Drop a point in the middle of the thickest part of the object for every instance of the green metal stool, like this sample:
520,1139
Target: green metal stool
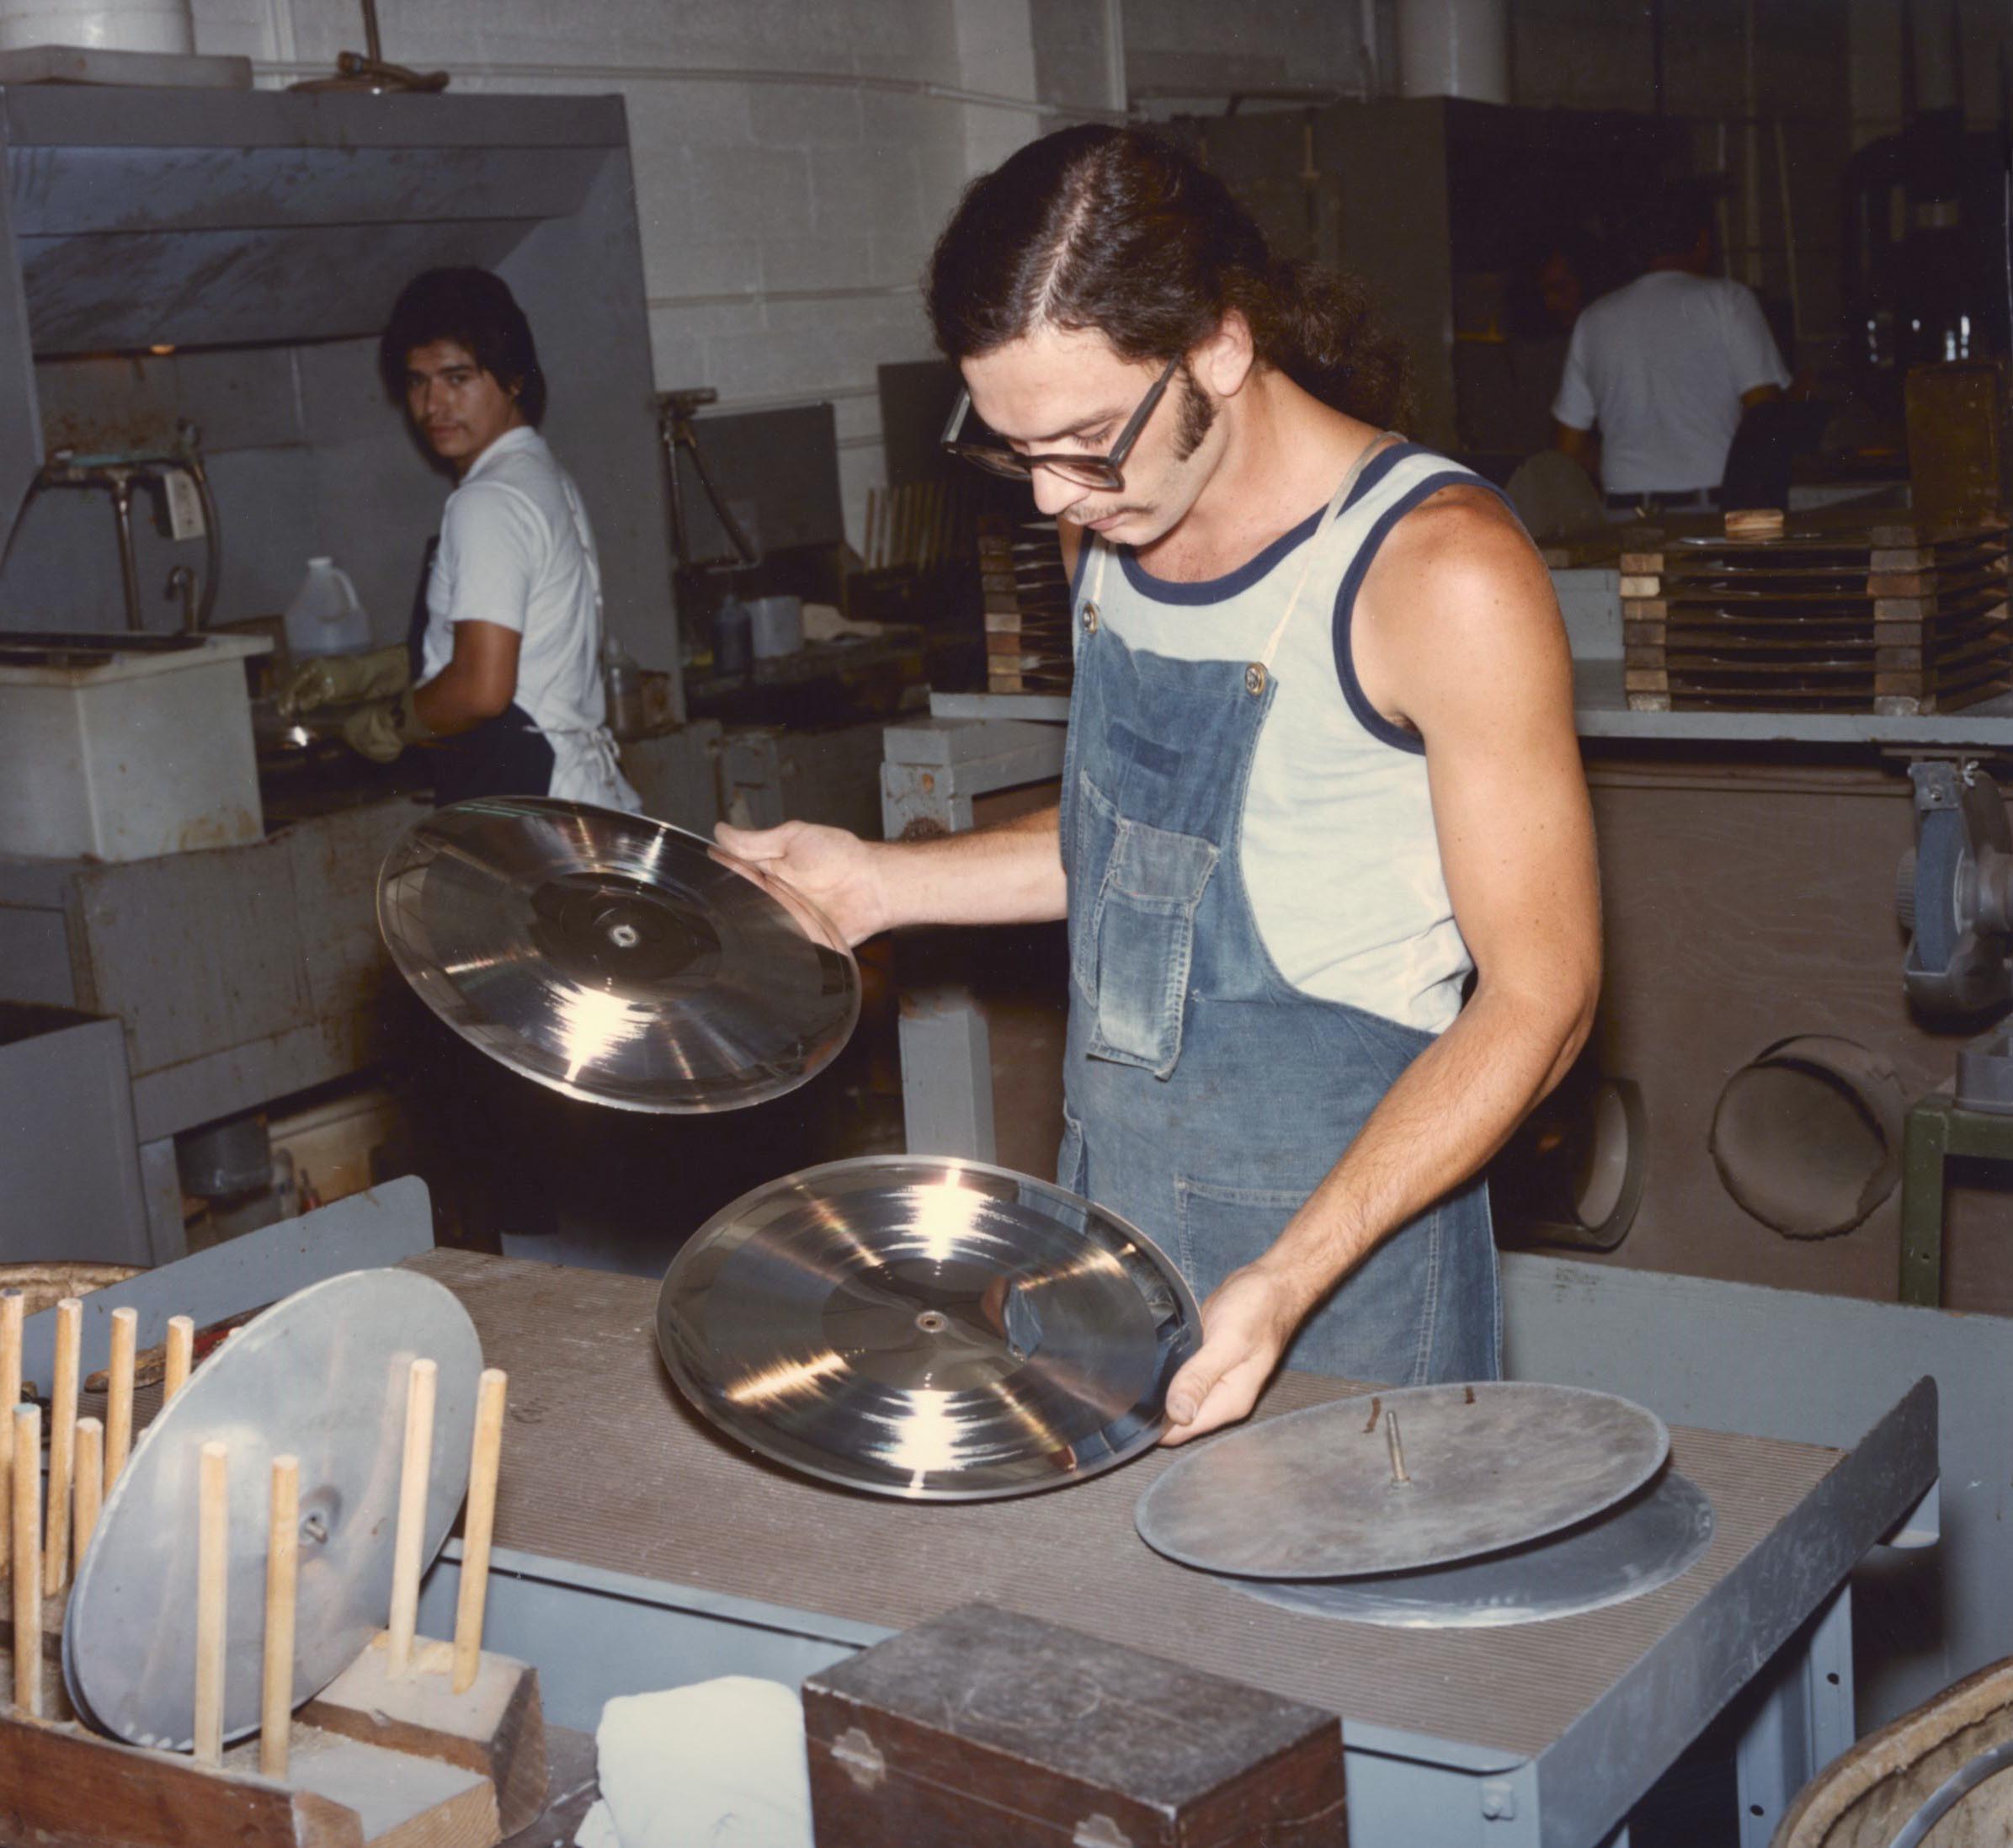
1938,1127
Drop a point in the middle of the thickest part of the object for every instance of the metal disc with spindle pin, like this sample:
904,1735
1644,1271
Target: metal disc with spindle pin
323,1376
1401,1480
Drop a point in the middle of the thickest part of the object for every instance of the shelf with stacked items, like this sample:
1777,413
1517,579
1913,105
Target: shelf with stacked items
1897,618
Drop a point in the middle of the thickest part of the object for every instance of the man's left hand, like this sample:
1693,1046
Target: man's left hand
1247,1323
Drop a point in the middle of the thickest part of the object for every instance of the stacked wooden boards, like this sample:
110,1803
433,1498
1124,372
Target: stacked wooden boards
1894,618
1026,607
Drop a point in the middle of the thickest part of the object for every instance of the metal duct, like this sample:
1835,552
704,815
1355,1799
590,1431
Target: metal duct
1454,48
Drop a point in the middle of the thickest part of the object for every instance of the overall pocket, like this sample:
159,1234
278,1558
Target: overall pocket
1131,955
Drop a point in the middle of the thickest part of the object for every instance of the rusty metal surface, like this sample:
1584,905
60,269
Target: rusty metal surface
605,1466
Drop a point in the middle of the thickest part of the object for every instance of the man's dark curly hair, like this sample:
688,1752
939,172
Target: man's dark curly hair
474,309
1118,230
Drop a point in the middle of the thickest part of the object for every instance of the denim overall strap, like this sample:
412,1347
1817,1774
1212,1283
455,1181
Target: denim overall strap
1204,1097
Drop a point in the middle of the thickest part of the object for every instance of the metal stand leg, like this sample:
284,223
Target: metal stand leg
1804,1723
946,1075
161,1183
1925,1144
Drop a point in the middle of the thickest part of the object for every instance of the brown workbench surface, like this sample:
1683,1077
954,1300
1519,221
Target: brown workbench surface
604,1464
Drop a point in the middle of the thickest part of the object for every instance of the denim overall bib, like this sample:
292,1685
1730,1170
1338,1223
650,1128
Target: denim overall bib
1205,1096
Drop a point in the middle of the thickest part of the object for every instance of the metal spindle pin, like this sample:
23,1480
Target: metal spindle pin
1397,1450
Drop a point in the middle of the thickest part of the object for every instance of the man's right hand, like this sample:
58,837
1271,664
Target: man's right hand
838,872
342,679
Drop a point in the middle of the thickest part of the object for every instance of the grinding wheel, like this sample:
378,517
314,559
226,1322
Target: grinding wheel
1321,1494
323,1376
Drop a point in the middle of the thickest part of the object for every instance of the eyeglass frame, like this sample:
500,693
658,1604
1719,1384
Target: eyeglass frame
1111,463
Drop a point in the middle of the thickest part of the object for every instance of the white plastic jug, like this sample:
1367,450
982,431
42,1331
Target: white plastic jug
326,616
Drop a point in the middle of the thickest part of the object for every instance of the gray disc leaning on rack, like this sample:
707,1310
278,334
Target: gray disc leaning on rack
1656,1535
321,1375
1398,1480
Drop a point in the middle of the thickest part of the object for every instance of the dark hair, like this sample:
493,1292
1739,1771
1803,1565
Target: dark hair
474,309
1674,219
1116,229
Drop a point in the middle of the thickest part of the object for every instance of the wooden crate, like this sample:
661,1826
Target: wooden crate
994,1730
1891,617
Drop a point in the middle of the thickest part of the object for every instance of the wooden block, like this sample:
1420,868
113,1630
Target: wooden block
399,1801
496,1728
990,1729
63,1787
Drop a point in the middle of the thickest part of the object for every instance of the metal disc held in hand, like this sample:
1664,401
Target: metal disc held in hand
1324,1494
614,958
927,1328
1655,1536
323,1376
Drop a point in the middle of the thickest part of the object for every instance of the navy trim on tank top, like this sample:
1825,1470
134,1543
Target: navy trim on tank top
1220,589
1367,716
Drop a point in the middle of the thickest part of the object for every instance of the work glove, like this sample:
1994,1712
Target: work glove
382,729
339,679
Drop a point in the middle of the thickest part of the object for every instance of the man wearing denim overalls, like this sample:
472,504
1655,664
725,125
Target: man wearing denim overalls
1323,842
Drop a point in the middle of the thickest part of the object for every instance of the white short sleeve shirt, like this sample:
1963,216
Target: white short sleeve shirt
1661,365
516,550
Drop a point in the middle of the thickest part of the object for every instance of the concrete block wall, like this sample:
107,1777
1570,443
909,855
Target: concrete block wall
793,161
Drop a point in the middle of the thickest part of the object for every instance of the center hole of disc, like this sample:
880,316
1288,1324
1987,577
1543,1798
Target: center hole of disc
932,1321
624,936
314,1529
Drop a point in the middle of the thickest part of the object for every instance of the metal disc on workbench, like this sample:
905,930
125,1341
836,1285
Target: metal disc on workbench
927,1327
1656,1535
1318,1494
614,958
321,1376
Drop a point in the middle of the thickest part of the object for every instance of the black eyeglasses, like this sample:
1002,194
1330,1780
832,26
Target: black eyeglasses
1085,470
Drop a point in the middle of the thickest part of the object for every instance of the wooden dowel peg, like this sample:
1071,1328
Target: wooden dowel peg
118,1393
180,1355
213,1560
27,1427
476,1530
282,1580
11,1302
412,1515
90,1487
62,1444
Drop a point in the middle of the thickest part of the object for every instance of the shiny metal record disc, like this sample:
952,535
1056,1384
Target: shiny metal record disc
1320,1493
924,1327
1657,1535
614,958
323,1376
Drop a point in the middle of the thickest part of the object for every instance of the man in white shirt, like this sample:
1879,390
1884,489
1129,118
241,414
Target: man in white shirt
1664,368
502,668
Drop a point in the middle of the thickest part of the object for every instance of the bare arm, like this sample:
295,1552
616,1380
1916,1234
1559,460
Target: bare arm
1458,635
477,683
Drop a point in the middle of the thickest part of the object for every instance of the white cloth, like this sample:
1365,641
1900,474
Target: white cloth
516,550
717,1764
1661,366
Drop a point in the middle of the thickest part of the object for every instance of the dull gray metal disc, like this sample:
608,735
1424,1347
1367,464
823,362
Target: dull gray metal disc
1646,1541
920,1326
1313,1495
323,1376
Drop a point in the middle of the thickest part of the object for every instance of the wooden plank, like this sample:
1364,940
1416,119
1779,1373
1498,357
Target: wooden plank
63,1787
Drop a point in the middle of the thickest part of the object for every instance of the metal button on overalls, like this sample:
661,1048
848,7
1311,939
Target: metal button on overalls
1090,618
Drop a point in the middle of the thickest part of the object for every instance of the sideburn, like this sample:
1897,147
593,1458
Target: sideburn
1197,412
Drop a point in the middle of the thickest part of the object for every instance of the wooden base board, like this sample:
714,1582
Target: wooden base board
497,1729
399,1801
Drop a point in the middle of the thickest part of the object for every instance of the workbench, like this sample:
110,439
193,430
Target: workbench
637,1549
